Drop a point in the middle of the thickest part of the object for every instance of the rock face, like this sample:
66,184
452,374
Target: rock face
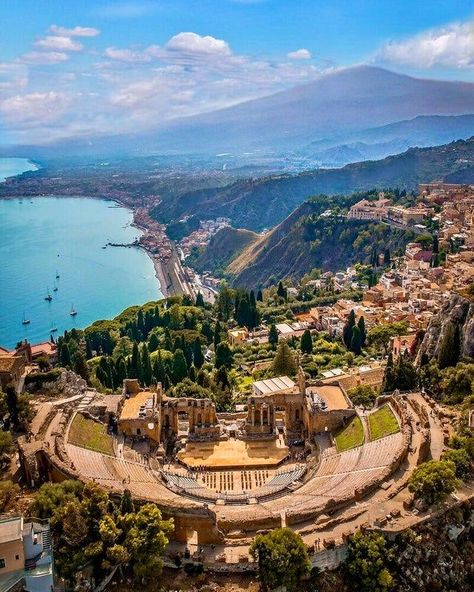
457,312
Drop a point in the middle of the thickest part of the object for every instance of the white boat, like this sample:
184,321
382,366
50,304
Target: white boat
25,321
73,311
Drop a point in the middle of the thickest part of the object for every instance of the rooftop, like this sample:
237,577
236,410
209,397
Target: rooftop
8,362
137,405
11,529
273,385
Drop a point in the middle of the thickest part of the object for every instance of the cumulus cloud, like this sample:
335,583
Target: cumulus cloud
192,43
127,55
451,46
74,32
13,76
58,43
299,54
44,57
34,108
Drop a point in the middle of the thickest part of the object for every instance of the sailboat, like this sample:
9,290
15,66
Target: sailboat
53,328
25,321
48,296
73,311
55,289
57,273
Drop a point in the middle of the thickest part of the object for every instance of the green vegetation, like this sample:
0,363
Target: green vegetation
433,481
89,527
363,395
90,434
350,436
282,559
382,423
368,563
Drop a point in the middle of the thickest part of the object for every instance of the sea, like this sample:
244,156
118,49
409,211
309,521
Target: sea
45,237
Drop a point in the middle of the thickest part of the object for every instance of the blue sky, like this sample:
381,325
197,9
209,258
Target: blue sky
72,67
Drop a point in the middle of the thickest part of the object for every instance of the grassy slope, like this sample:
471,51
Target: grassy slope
382,423
90,434
350,436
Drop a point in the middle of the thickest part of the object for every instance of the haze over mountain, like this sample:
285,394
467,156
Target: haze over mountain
334,106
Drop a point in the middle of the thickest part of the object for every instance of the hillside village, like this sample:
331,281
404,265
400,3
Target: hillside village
316,403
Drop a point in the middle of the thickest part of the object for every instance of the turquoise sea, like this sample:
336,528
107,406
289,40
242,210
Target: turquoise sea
14,166
47,235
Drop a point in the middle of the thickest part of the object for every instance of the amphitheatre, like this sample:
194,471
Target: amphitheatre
223,477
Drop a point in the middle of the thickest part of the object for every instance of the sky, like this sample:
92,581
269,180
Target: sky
86,67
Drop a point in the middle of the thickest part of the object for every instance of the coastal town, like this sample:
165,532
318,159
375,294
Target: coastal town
289,422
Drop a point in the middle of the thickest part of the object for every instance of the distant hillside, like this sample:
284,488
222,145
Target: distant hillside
334,104
306,240
222,248
379,142
262,203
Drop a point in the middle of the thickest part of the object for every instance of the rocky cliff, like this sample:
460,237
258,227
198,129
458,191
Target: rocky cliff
455,317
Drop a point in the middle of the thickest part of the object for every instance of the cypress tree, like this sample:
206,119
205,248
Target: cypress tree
363,331
126,503
179,368
120,370
200,300
356,341
223,356
260,296
80,366
65,355
198,356
281,290
348,328
284,362
153,343
386,257
159,371
273,335
217,334
306,344
449,351
146,371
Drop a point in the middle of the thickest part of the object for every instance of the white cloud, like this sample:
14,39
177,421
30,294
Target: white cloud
74,32
451,46
299,54
58,43
127,55
194,44
44,57
34,108
13,76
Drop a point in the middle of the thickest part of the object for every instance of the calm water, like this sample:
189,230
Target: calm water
46,235
15,166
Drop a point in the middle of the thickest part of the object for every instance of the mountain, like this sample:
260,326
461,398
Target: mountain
379,142
256,204
305,240
337,103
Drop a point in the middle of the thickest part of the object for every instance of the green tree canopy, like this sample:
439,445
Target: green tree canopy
282,559
367,566
284,361
433,481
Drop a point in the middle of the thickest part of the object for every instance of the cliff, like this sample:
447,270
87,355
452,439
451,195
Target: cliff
455,317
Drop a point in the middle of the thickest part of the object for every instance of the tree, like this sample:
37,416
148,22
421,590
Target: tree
146,541
80,366
199,300
260,296
306,345
284,362
347,330
198,357
356,341
433,481
363,331
281,291
273,335
363,395
6,448
8,493
153,343
368,561
180,368
461,460
386,257
146,374
126,503
217,334
65,356
282,559
223,356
